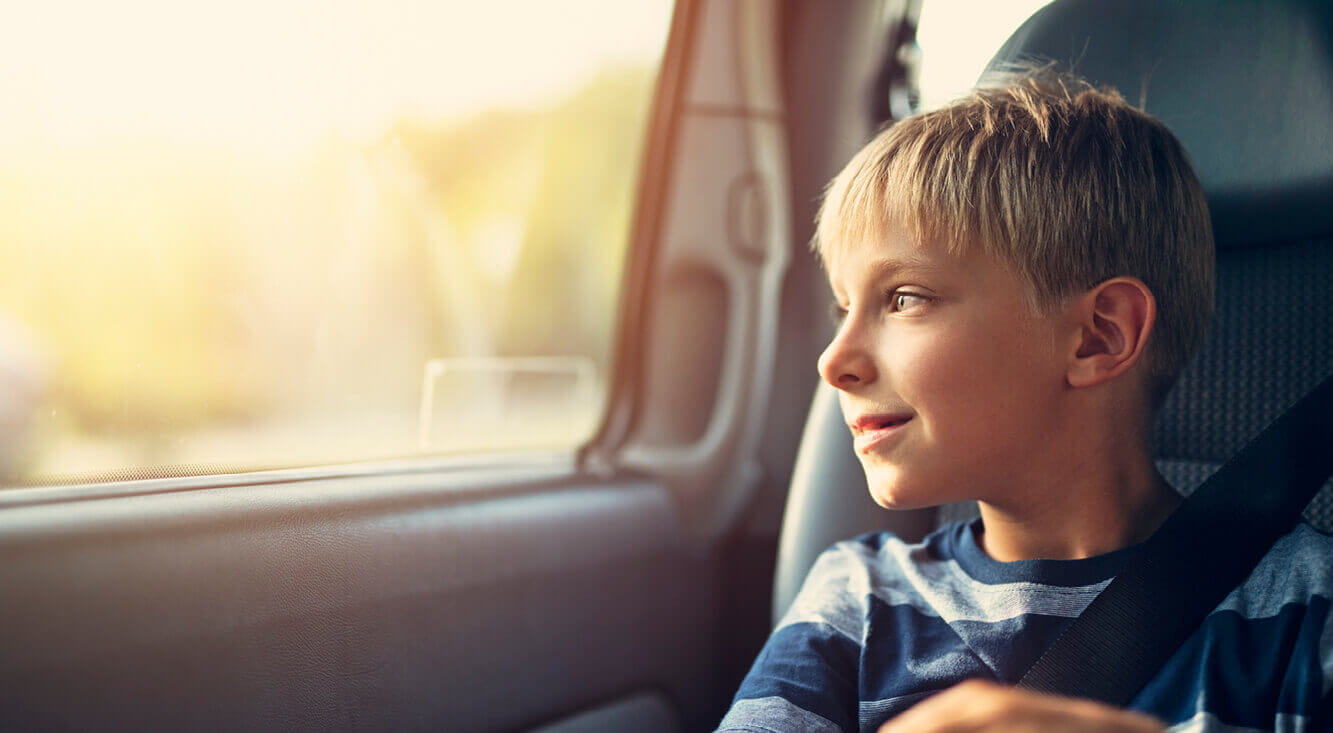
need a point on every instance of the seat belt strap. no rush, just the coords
(1204, 550)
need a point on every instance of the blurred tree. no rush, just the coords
(567, 174)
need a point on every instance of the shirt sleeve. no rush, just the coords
(805, 677)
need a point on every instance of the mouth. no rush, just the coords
(872, 423)
(871, 430)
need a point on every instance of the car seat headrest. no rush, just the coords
(1260, 141)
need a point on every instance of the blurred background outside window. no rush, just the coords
(957, 38)
(268, 233)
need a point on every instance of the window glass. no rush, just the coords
(263, 233)
(954, 51)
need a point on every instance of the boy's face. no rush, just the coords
(947, 376)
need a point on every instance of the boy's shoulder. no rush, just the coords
(846, 576)
(862, 558)
(1295, 571)
(883, 554)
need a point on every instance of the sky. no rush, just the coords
(275, 71)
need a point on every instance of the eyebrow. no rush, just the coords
(883, 267)
(892, 265)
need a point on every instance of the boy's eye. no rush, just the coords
(837, 313)
(901, 300)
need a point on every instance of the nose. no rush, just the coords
(845, 363)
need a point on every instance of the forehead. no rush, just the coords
(866, 263)
(871, 257)
(859, 219)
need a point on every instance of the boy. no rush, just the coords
(1019, 278)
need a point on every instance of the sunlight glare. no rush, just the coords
(265, 73)
(953, 53)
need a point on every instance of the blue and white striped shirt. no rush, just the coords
(880, 624)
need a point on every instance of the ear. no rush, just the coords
(1115, 318)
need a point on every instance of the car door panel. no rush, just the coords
(367, 603)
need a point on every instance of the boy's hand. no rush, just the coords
(976, 705)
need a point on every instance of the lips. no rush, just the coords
(870, 431)
(869, 423)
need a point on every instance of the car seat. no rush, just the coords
(1247, 86)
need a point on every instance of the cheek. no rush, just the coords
(970, 384)
(945, 368)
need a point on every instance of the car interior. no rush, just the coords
(626, 583)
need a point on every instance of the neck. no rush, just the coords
(1108, 496)
(1097, 527)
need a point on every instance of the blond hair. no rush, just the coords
(1068, 184)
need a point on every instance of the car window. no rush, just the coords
(259, 233)
(952, 53)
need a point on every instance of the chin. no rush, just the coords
(898, 502)
(895, 495)
(893, 488)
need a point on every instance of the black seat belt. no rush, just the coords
(1204, 550)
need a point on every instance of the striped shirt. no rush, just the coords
(880, 624)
